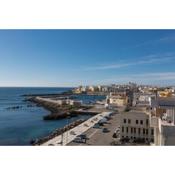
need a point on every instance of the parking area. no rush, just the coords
(99, 135)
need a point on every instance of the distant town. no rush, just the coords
(149, 111)
(128, 114)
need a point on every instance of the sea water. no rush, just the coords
(19, 126)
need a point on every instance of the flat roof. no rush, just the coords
(167, 101)
(134, 114)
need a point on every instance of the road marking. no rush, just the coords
(93, 133)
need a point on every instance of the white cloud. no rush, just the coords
(155, 41)
(151, 59)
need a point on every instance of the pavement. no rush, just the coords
(96, 137)
(68, 137)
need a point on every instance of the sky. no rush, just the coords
(68, 58)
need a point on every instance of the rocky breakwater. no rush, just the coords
(57, 111)
(56, 133)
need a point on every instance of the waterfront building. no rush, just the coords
(135, 126)
(67, 102)
(142, 99)
(91, 88)
(74, 103)
(165, 93)
(162, 118)
(119, 99)
(80, 89)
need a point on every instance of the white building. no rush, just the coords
(142, 99)
(162, 118)
(119, 99)
(74, 103)
(135, 126)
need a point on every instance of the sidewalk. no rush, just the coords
(67, 137)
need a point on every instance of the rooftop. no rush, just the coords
(168, 101)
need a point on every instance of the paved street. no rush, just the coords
(97, 137)
(68, 137)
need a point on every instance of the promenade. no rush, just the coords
(70, 135)
(47, 100)
(96, 136)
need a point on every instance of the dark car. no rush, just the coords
(105, 130)
(78, 140)
(83, 136)
(96, 126)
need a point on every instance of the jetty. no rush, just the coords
(63, 108)
(67, 137)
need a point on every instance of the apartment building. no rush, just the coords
(119, 99)
(162, 118)
(142, 99)
(164, 93)
(135, 126)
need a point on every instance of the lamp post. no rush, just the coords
(67, 133)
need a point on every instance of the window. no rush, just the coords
(134, 130)
(146, 131)
(141, 122)
(139, 130)
(129, 121)
(122, 129)
(131, 130)
(152, 132)
(124, 120)
(126, 129)
(143, 131)
(137, 122)
(147, 122)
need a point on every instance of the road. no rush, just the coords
(97, 137)
(67, 137)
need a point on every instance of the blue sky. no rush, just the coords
(87, 57)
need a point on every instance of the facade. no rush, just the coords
(162, 117)
(119, 99)
(74, 103)
(69, 102)
(135, 126)
(164, 93)
(142, 99)
(80, 89)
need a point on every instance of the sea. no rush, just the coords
(18, 126)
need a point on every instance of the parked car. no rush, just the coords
(96, 126)
(78, 140)
(108, 118)
(105, 130)
(102, 121)
(83, 136)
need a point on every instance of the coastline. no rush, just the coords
(55, 133)
(58, 112)
(67, 136)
